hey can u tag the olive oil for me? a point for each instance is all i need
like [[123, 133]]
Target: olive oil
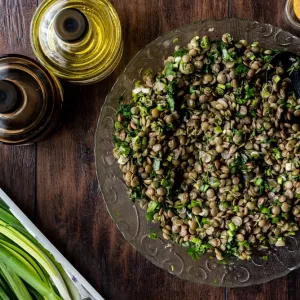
[[292, 13], [79, 41]]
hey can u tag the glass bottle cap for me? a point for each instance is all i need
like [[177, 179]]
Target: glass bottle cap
[[71, 25], [30, 100], [9, 96]]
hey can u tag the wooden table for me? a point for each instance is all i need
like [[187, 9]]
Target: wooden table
[[55, 181]]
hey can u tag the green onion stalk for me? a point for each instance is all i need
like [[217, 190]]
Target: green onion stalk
[[26, 271]]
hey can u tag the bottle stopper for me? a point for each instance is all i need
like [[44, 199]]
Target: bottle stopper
[[9, 97], [70, 25]]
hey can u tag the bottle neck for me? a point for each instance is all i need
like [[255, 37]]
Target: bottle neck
[[9, 97], [71, 25]]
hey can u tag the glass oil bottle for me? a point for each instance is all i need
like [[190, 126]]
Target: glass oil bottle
[[78, 40], [30, 101]]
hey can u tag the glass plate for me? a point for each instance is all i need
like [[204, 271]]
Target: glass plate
[[131, 220]]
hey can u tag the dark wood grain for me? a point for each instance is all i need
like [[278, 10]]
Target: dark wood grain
[[267, 11], [70, 210], [17, 165], [15, 24], [59, 173], [274, 290]]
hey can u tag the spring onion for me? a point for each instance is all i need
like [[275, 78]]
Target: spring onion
[[15, 282], [27, 270]]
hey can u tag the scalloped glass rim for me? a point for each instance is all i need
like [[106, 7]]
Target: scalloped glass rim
[[130, 219]]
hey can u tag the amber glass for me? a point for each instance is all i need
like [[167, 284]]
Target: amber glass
[[79, 41], [30, 100]]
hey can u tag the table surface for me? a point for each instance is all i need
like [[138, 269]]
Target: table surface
[[55, 181]]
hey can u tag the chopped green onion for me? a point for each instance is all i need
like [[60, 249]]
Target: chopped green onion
[[218, 130], [259, 182], [222, 86], [230, 233], [231, 226], [276, 78], [265, 210], [204, 188]]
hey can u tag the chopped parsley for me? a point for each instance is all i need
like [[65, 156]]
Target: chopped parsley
[[198, 248], [125, 111], [169, 69], [239, 115], [240, 69], [228, 56], [151, 210], [171, 91], [253, 113], [153, 235], [276, 153], [195, 203], [265, 210], [180, 52]]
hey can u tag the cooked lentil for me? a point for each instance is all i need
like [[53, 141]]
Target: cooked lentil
[[211, 149]]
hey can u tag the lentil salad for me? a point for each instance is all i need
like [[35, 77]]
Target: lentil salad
[[210, 148]]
